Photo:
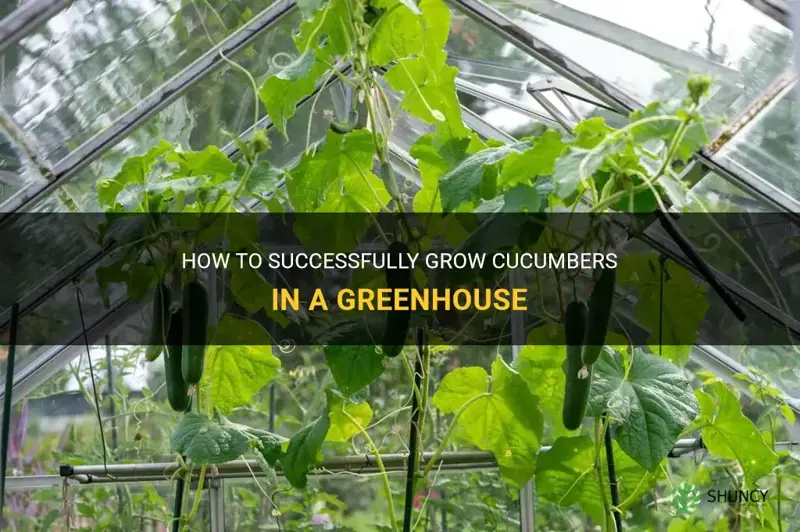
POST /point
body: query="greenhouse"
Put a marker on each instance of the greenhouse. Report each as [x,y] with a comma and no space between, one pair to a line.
[418,265]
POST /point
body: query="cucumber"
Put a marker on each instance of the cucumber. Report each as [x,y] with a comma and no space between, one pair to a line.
[599,315]
[177,389]
[342,128]
[578,377]
[390,181]
[195,326]
[160,324]
[395,328]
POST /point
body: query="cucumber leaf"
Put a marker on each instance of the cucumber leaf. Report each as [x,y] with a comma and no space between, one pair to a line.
[354,366]
[342,428]
[235,371]
[731,435]
[505,420]
[650,402]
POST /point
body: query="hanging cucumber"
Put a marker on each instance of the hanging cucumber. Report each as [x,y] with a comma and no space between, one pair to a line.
[389,179]
[578,377]
[343,128]
[599,315]
[195,326]
[177,388]
[160,324]
[395,327]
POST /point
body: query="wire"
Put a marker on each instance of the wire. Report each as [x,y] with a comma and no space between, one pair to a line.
[79,296]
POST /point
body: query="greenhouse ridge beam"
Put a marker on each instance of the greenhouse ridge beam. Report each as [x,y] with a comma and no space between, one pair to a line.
[26,18]
[167,93]
[547,55]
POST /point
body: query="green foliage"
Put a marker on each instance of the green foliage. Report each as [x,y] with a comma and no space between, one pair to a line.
[505,420]
[650,399]
[207,441]
[727,433]
[684,302]
[304,450]
[354,366]
[346,418]
[239,368]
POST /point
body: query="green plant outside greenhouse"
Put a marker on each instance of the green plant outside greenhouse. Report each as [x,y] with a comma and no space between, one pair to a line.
[171,403]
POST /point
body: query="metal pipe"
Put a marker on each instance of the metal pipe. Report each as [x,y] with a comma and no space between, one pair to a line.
[527,495]
[167,93]
[340,463]
[470,88]
[12,351]
[26,18]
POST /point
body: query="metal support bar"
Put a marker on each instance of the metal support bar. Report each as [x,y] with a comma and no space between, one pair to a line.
[527,495]
[777,10]
[774,314]
[216,503]
[93,148]
[12,351]
[472,89]
[700,264]
[26,18]
[484,128]
[546,54]
[364,463]
[550,107]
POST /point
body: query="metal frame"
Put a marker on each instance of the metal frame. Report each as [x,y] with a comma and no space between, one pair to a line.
[467,87]
[26,18]
[777,10]
[527,495]
[167,93]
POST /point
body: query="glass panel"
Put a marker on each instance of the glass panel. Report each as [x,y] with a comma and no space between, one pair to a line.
[716,194]
[222,102]
[648,50]
[75,75]
[768,147]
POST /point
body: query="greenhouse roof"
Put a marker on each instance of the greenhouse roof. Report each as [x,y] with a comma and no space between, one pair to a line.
[85,84]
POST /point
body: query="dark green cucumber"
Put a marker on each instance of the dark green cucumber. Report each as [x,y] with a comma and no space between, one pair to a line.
[195,326]
[390,181]
[342,128]
[160,325]
[177,388]
[395,328]
[599,315]
[578,377]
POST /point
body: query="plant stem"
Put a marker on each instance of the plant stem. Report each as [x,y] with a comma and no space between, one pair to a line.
[197,495]
[384,476]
